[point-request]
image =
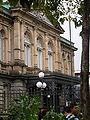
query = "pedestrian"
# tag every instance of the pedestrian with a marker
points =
(74, 111)
(67, 112)
(71, 112)
(42, 113)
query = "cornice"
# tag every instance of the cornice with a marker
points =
(20, 12)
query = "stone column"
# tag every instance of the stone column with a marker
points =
(22, 42)
(35, 46)
(60, 57)
(69, 64)
(65, 64)
(16, 40)
(56, 55)
(6, 51)
(46, 52)
(5, 45)
(32, 55)
(67, 67)
(9, 46)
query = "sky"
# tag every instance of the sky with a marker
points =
(76, 39)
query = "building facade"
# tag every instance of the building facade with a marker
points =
(29, 43)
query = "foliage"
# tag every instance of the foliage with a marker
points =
(54, 116)
(56, 10)
(48, 7)
(24, 108)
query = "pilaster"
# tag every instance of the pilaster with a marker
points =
(16, 40)
(22, 41)
(35, 46)
(65, 64)
(60, 57)
(6, 50)
(46, 52)
(9, 46)
(32, 55)
(56, 55)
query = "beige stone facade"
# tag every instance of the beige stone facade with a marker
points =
(29, 44)
(14, 27)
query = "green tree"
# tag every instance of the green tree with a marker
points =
(24, 108)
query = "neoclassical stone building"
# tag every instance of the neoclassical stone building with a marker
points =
(30, 43)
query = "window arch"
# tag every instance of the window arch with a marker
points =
(1, 45)
(50, 57)
(39, 53)
(27, 49)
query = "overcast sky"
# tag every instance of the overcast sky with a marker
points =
(75, 38)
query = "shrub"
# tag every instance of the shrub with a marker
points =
(24, 108)
(54, 116)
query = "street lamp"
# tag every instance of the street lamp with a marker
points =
(41, 85)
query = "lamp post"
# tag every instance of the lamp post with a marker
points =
(48, 102)
(70, 41)
(41, 85)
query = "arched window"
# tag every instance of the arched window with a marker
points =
(39, 53)
(27, 49)
(1, 46)
(50, 57)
